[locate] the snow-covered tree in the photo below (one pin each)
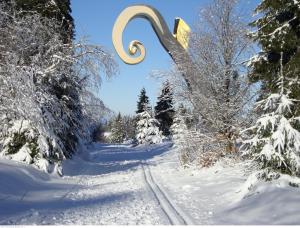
(95, 113)
(195, 146)
(164, 110)
(219, 95)
(221, 90)
(147, 129)
(179, 128)
(143, 102)
(118, 131)
(274, 140)
(41, 81)
(277, 32)
(129, 126)
(179, 133)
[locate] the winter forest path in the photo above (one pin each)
(110, 184)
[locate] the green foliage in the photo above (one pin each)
(164, 110)
(118, 132)
(143, 102)
(34, 150)
(278, 32)
(275, 138)
(129, 123)
(273, 141)
(18, 140)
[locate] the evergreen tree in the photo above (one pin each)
(274, 141)
(278, 31)
(118, 133)
(129, 126)
(60, 12)
(164, 111)
(275, 138)
(143, 102)
(181, 135)
(147, 129)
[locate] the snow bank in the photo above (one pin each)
(265, 203)
(227, 193)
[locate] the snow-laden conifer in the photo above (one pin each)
(118, 132)
(275, 138)
(147, 129)
(164, 110)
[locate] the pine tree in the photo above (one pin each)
(143, 102)
(278, 31)
(147, 129)
(275, 138)
(164, 111)
(118, 133)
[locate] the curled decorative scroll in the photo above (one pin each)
(159, 25)
(136, 51)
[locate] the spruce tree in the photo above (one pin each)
(274, 140)
(143, 102)
(118, 133)
(278, 31)
(147, 129)
(164, 110)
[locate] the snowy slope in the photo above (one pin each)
(219, 195)
(120, 184)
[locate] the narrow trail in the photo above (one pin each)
(173, 213)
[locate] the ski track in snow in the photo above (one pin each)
(174, 214)
(106, 187)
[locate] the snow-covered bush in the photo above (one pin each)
(24, 143)
(194, 147)
(179, 133)
(147, 129)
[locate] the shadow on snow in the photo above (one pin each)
(109, 158)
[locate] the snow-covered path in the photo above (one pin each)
(120, 184)
(111, 184)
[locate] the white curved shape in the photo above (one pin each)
(159, 25)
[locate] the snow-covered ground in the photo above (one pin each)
(120, 184)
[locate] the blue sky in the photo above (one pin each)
(95, 19)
